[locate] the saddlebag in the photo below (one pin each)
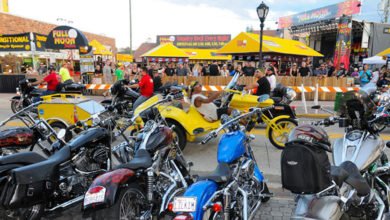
(15, 195)
(305, 169)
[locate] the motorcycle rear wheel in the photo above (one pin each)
(278, 139)
(128, 205)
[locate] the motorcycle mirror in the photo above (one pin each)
(61, 134)
(388, 144)
(316, 107)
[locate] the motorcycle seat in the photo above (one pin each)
(355, 179)
(221, 174)
(45, 170)
(141, 160)
(22, 158)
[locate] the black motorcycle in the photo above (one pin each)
(32, 186)
(26, 93)
(143, 186)
(120, 92)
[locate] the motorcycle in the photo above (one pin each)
(26, 93)
(142, 187)
(32, 186)
(36, 131)
(120, 92)
(236, 189)
(358, 185)
(189, 123)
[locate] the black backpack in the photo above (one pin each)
(305, 168)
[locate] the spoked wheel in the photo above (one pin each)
(278, 137)
(16, 105)
(129, 205)
(57, 126)
(179, 134)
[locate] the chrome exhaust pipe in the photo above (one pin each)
(68, 203)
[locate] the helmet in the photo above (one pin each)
(310, 135)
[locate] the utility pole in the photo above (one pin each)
(131, 30)
(386, 11)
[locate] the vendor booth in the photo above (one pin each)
(165, 53)
(205, 55)
(384, 53)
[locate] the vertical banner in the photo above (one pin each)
(343, 43)
(4, 6)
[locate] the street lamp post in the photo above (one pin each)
(262, 12)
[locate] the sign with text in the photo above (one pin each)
(349, 7)
(40, 41)
(15, 42)
(195, 41)
(65, 37)
(87, 63)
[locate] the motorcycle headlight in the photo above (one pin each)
(290, 94)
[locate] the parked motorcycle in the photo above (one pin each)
(26, 93)
(120, 92)
(236, 188)
(143, 186)
(32, 186)
(358, 185)
(35, 132)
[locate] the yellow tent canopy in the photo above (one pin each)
(124, 57)
(165, 50)
(205, 54)
(384, 53)
(99, 49)
(250, 43)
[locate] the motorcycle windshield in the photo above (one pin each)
(233, 81)
(91, 107)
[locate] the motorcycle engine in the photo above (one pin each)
(92, 158)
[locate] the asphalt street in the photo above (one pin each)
(267, 156)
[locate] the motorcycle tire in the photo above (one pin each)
(276, 143)
(179, 133)
(32, 213)
(57, 126)
(124, 202)
(265, 190)
(14, 106)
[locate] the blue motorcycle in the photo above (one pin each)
(236, 189)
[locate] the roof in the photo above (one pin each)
(99, 49)
(165, 50)
(143, 48)
(205, 54)
(384, 53)
(250, 43)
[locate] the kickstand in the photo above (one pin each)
(266, 147)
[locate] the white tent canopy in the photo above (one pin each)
(374, 60)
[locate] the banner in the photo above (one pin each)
(343, 42)
(195, 41)
(4, 6)
(40, 41)
(347, 8)
(15, 42)
(65, 37)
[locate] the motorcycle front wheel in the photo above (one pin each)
(16, 105)
(279, 137)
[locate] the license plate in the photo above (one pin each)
(91, 198)
(184, 204)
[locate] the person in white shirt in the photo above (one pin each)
(271, 78)
(204, 104)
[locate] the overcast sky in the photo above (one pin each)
(162, 17)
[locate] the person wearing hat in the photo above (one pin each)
(52, 81)
(204, 104)
(262, 84)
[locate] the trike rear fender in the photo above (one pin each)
(203, 191)
(110, 183)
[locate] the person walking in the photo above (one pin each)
(146, 88)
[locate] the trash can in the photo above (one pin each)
(337, 101)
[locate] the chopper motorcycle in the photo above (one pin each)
(143, 186)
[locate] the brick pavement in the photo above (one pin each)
(278, 208)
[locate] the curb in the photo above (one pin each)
(318, 116)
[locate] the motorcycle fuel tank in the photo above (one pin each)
(359, 147)
(231, 147)
(16, 137)
(313, 207)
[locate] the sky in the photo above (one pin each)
(167, 17)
